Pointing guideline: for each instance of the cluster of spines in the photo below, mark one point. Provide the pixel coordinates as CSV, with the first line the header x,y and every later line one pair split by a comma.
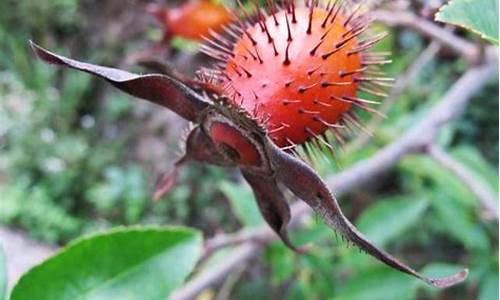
x,y
369,77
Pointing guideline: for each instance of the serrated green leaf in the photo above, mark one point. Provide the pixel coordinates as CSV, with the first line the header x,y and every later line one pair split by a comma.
x,y
387,219
242,203
125,263
378,284
3,275
479,16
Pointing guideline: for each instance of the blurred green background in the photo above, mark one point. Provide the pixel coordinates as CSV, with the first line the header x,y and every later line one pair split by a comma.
x,y
77,156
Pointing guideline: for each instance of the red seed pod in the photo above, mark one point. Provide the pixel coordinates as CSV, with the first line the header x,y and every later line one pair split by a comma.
x,y
192,20
299,69
289,73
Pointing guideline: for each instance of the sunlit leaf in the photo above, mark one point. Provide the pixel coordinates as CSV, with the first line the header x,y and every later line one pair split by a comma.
x,y
125,263
479,16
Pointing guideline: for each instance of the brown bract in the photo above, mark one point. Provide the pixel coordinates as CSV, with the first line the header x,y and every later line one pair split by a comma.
x,y
226,133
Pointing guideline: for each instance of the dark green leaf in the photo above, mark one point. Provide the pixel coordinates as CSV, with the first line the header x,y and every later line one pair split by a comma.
x,y
125,263
479,16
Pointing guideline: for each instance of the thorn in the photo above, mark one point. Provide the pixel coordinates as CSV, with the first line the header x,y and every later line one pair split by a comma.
x,y
312,71
354,11
346,40
258,55
272,8
373,79
286,102
354,120
316,101
341,4
249,75
255,95
366,44
328,84
361,105
348,73
337,49
294,17
313,50
288,29
330,11
325,142
303,89
218,46
305,111
311,12
291,146
356,99
371,91
310,132
375,62
278,129
327,124
287,61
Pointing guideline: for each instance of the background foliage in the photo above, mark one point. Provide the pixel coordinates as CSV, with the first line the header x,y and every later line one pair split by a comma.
x,y
73,161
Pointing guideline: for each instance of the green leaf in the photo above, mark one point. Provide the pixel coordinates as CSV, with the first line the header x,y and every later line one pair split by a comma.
x,y
388,219
422,168
479,16
125,263
489,287
242,203
475,161
3,275
458,222
380,283
282,263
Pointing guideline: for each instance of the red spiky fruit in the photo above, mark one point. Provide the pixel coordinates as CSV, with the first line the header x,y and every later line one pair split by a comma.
x,y
299,86
192,20
298,69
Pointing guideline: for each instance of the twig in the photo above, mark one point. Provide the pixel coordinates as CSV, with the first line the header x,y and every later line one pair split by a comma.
x,y
484,194
208,277
415,140
231,281
399,18
226,240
